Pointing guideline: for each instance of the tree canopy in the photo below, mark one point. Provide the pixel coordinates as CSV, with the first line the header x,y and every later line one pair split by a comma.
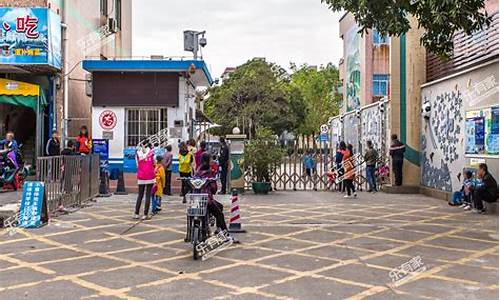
x,y
440,19
262,94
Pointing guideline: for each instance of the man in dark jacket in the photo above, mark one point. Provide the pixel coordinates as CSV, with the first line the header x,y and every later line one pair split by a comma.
x,y
485,190
224,164
396,152
70,149
53,147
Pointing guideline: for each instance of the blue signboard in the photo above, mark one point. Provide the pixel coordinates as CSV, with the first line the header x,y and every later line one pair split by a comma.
x,y
323,137
33,211
30,36
101,147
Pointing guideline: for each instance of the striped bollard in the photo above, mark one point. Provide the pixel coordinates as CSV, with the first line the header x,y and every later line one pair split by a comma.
x,y
235,221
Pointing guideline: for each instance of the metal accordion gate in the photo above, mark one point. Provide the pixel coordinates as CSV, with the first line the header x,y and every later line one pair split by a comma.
x,y
355,128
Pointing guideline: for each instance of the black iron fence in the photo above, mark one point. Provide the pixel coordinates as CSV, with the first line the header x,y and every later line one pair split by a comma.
x,y
69,180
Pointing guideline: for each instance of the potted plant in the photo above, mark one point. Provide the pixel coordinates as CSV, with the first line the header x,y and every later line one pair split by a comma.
x,y
261,153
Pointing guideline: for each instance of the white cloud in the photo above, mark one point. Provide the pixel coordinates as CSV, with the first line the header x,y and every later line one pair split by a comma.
x,y
283,31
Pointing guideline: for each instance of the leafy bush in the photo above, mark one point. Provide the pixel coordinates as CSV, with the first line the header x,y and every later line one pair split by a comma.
x,y
262,153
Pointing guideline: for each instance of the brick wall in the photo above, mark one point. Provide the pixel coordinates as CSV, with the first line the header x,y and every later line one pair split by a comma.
x,y
23,3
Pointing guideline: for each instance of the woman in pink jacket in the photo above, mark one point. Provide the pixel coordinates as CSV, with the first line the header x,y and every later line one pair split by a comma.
x,y
145,178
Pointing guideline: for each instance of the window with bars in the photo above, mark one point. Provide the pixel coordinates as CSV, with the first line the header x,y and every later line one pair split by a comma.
x,y
380,84
143,123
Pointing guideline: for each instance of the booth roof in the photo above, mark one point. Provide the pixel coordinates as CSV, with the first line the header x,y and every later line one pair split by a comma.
x,y
164,65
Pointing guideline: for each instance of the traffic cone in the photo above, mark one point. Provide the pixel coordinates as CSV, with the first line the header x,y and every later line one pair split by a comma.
x,y
104,185
235,221
120,186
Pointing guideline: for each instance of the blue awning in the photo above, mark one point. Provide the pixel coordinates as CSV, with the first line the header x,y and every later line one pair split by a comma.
x,y
164,65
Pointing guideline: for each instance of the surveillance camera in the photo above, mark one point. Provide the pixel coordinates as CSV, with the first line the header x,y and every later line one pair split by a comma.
x,y
358,113
426,110
341,118
203,41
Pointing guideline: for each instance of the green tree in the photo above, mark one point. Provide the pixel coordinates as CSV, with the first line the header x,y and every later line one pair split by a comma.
x,y
318,90
440,19
257,93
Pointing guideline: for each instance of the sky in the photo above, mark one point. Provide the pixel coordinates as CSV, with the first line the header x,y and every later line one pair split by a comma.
x,y
282,31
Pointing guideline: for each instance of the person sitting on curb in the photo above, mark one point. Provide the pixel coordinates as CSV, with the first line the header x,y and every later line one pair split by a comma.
x,y
485,190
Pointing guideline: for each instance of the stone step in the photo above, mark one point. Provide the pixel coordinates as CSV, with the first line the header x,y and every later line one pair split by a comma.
x,y
403,189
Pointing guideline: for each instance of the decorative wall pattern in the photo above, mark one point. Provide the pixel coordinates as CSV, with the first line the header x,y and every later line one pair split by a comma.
x,y
350,131
446,123
436,176
371,127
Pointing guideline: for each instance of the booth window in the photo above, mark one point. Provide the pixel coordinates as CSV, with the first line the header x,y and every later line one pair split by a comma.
x,y
379,39
143,123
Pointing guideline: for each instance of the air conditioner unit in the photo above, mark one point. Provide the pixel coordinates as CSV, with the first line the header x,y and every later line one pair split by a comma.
x,y
112,25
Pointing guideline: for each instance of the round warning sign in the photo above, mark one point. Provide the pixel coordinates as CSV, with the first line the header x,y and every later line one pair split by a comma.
x,y
107,120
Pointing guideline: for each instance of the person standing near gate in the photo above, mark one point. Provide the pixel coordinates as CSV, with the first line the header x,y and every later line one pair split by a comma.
x,y
53,147
185,168
83,141
396,152
167,164
224,164
370,157
146,177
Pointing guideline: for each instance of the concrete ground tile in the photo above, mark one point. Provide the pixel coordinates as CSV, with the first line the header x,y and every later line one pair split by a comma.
x,y
393,261
373,244
244,253
21,246
250,237
79,237
186,264
434,253
180,289
313,288
297,262
490,260
246,276
359,273
122,278
22,275
160,237
321,236
99,222
147,254
113,244
426,228
280,229
83,265
57,290
458,243
47,255
5,264
284,244
337,252
453,290
392,295
355,228
402,235
478,234
467,272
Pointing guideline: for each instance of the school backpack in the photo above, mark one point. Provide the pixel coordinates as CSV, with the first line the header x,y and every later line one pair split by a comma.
x,y
456,199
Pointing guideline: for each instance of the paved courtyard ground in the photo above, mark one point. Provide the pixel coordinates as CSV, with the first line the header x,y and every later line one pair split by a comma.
x,y
298,246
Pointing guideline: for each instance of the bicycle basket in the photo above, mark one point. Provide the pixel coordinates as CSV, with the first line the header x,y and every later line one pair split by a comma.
x,y
196,204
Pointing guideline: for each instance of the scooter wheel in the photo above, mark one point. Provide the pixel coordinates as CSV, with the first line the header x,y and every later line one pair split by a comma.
x,y
195,242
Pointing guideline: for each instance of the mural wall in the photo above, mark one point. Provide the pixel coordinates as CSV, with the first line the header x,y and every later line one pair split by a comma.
x,y
353,69
461,130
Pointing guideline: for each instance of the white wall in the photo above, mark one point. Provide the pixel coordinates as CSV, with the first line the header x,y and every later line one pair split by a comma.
x,y
116,145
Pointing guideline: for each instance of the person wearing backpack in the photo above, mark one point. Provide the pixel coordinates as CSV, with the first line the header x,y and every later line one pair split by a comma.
x,y
185,167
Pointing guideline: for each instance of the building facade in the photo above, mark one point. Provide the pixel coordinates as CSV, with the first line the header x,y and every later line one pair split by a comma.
x,y
460,128
76,29
364,67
